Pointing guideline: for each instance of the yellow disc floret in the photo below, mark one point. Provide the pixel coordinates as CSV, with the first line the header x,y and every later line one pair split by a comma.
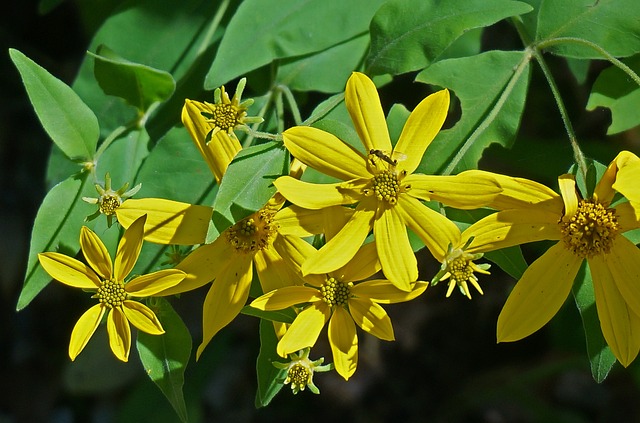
x,y
335,292
591,230
225,116
108,203
298,376
386,186
111,293
252,233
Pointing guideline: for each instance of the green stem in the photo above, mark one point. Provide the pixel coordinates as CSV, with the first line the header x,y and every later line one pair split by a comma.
x,y
288,95
326,107
215,22
572,40
117,133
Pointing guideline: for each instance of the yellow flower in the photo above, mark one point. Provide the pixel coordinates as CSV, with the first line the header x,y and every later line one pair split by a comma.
x,y
211,126
300,371
586,229
339,299
627,178
113,293
109,200
381,183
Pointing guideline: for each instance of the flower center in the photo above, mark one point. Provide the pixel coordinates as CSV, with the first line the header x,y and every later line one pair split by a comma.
x,y
109,203
591,230
111,293
298,375
252,233
224,116
386,186
335,292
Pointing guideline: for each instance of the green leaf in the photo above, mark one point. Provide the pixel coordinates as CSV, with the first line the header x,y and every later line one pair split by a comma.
x,y
263,30
270,378
248,183
600,355
139,85
492,89
56,228
69,122
614,90
611,24
287,315
407,35
510,260
165,357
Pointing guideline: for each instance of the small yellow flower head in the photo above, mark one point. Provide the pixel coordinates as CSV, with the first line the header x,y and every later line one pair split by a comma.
x,y
253,233
335,292
386,183
459,267
175,255
300,371
109,200
228,114
590,230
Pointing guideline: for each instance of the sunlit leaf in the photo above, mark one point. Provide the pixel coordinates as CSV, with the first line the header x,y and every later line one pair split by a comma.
x,y
270,378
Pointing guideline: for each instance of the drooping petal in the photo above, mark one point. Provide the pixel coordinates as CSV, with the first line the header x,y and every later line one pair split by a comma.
x,y
512,227
305,329
95,253
399,264
342,247
168,221
517,193
382,291
274,272
363,265
69,271
539,294
567,184
203,265
620,325
421,128
286,297
129,249
142,317
295,252
325,153
372,318
315,196
84,329
621,175
344,342
363,104
627,182
460,191
226,297
434,229
119,334
623,263
628,216
153,283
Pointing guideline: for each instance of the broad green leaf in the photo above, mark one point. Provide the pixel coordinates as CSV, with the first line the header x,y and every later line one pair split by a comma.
x,y
165,357
326,71
139,85
248,183
270,378
407,35
69,122
283,316
492,89
600,355
616,91
263,30
56,228
611,24
510,260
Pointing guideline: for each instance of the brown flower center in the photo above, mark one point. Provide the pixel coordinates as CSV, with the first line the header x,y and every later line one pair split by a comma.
x,y
591,230
253,233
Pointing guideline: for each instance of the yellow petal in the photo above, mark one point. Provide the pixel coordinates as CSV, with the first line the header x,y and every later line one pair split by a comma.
x,y
344,342
325,153
95,253
399,264
84,329
315,196
119,334
168,222
69,271
202,265
305,329
567,185
539,294
226,297
153,283
620,325
623,263
626,181
421,128
512,227
129,249
622,176
460,191
342,247
295,252
273,271
363,104
628,215
516,193
286,297
372,318
383,291
301,222
363,265
142,317
434,229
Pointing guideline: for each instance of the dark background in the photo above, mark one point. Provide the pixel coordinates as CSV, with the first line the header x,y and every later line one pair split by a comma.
x,y
444,367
